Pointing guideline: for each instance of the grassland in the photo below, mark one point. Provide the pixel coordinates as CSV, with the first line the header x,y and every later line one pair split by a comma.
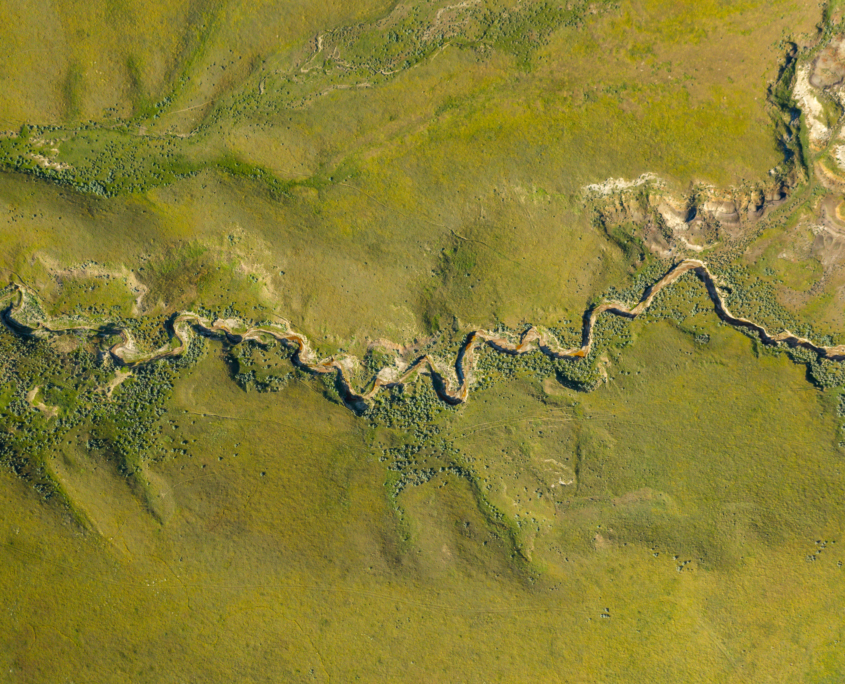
x,y
281,543
668,509
362,187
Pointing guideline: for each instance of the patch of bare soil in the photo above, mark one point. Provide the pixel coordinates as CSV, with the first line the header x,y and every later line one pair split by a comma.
x,y
32,398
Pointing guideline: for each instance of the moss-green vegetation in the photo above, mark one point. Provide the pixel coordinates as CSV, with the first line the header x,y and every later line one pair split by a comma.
x,y
333,179
55,389
280,519
667,509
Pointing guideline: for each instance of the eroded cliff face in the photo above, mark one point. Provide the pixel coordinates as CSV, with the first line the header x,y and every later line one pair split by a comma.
x,y
808,108
805,103
673,224
819,92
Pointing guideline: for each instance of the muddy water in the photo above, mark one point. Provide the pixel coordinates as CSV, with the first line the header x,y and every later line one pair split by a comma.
x,y
451,385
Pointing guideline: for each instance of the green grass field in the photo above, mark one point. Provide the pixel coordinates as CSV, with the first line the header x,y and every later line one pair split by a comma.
x,y
693,522
668,509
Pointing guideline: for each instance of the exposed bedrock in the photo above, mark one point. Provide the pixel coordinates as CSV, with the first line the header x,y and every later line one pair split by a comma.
x,y
723,211
691,221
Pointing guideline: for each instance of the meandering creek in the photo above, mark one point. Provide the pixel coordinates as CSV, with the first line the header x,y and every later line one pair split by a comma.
x,y
22,314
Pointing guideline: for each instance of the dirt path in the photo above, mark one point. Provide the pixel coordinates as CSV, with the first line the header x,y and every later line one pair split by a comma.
x,y
452,384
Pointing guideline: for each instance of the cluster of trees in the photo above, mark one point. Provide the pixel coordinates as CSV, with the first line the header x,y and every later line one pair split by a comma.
x,y
520,32
426,452
411,408
126,427
116,161
262,367
27,435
